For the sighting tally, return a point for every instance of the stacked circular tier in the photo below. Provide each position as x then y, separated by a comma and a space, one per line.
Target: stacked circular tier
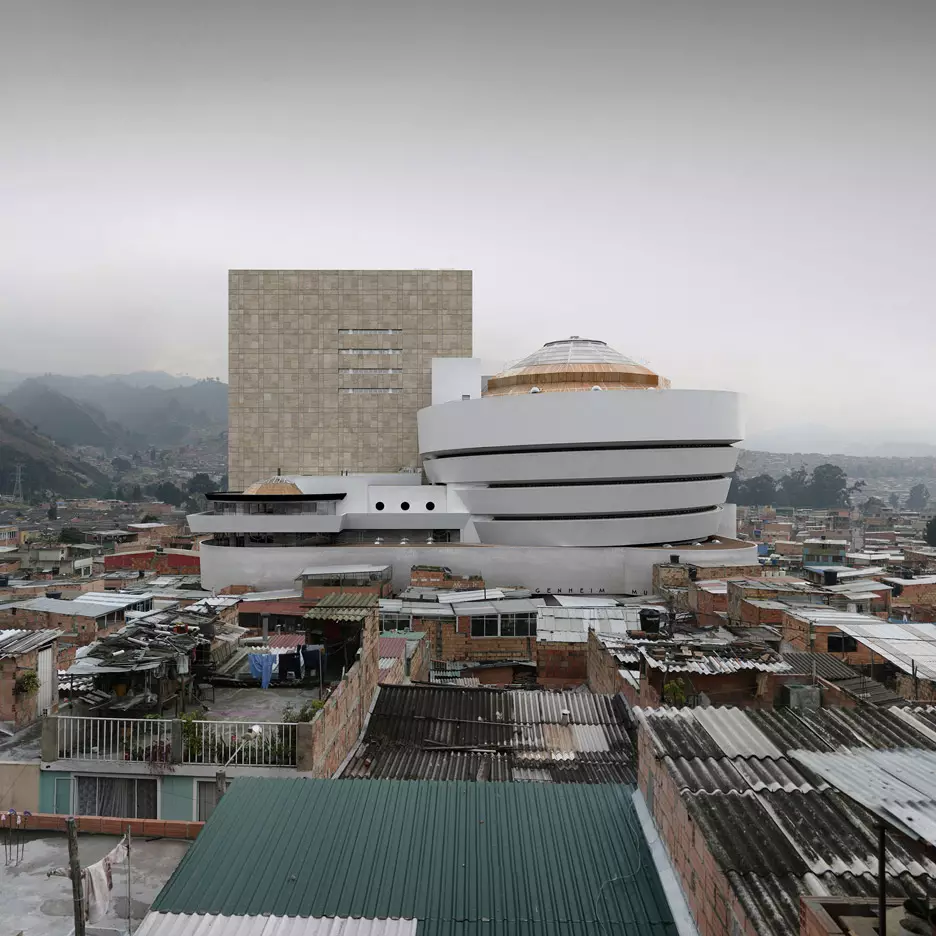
590, 466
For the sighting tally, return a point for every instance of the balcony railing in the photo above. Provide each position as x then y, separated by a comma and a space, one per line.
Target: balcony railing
167, 741
239, 744
139, 740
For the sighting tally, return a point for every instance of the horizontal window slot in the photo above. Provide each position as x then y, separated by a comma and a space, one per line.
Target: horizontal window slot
615, 516
370, 370
594, 483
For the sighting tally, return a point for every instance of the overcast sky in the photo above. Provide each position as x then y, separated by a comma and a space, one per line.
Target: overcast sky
740, 193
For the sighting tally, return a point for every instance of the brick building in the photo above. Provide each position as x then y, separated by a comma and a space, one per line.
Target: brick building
163, 561
27, 656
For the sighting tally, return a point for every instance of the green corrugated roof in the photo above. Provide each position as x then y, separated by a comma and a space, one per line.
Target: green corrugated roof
343, 606
507, 859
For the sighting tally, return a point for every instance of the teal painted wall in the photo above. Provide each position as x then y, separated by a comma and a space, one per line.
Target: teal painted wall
47, 792
178, 797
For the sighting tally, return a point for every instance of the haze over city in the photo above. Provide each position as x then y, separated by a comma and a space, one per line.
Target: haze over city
739, 194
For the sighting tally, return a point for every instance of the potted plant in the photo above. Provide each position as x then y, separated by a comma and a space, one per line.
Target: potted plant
26, 683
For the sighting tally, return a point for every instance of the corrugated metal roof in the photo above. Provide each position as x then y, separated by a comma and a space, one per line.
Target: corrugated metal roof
63, 606
457, 597
725, 731
408, 722
15, 642
899, 786
510, 858
343, 606
776, 846
212, 924
824, 665
707, 661
285, 641
392, 647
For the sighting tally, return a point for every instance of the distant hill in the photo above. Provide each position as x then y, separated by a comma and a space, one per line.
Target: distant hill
46, 466
67, 421
124, 410
866, 467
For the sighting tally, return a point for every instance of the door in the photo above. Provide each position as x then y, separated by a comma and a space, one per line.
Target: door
48, 681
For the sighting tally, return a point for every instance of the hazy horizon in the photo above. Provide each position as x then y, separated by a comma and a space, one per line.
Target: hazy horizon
739, 194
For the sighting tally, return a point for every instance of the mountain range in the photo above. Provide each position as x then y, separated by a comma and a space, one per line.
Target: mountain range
121, 411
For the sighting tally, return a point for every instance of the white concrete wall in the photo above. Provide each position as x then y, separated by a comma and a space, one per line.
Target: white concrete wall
599, 532
455, 378
595, 498
542, 569
574, 419
418, 498
603, 465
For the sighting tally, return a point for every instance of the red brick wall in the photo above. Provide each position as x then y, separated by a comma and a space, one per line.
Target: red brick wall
81, 630
922, 690
22, 710
326, 741
753, 615
451, 642
436, 578
419, 661
798, 634
561, 661
182, 563
713, 904
601, 670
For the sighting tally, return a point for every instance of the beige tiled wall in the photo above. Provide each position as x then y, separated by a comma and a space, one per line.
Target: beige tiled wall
289, 411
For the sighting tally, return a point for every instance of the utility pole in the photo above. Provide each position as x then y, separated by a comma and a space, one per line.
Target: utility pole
74, 866
220, 785
18, 485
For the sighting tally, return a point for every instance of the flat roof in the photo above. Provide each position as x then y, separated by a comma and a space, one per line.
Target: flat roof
343, 570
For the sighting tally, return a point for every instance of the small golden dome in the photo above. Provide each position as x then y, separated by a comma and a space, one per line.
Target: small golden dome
275, 486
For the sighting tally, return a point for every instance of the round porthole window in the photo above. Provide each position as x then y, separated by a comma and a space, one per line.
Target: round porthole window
404, 505
430, 505
379, 505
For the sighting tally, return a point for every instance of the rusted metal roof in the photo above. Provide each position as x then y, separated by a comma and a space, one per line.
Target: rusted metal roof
287, 640
414, 730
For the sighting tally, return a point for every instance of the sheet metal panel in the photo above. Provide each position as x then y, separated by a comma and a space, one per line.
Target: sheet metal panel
210, 924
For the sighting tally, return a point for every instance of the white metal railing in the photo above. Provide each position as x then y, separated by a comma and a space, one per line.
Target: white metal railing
139, 740
241, 744
149, 740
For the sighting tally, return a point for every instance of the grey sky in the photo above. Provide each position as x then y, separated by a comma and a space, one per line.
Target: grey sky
741, 194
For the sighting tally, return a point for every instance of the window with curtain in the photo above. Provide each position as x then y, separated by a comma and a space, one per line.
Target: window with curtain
116, 797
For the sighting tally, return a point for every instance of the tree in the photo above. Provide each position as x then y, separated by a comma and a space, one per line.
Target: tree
894, 501
70, 534
136, 495
827, 487
149, 518
760, 491
52, 512
168, 493
873, 505
930, 533
793, 489
201, 484
120, 465
918, 497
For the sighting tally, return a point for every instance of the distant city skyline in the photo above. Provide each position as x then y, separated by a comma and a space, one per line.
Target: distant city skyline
741, 195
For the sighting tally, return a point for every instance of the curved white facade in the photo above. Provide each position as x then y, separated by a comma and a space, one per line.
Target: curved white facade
554, 421
599, 498
541, 480
609, 464
645, 467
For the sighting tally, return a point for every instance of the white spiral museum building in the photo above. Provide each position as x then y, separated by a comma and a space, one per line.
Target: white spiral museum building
575, 471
